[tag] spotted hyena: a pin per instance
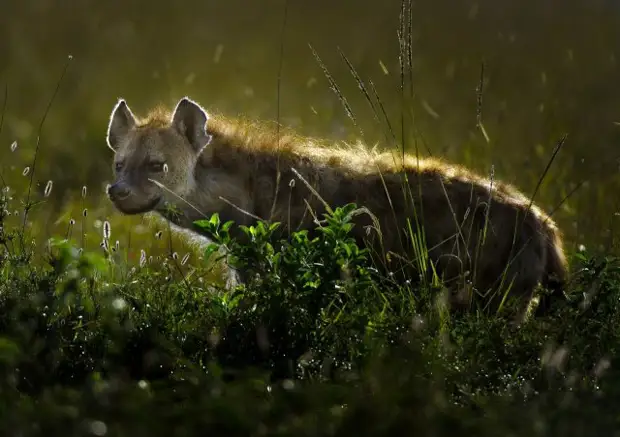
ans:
(479, 234)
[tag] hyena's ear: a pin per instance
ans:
(190, 119)
(121, 122)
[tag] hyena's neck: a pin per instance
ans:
(224, 177)
(237, 173)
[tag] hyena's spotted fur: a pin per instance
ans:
(209, 163)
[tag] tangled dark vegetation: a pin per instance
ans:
(316, 343)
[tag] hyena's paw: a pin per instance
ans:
(233, 278)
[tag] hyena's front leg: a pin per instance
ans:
(235, 275)
(202, 240)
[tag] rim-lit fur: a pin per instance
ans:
(230, 166)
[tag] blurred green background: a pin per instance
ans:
(551, 68)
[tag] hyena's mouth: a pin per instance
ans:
(126, 206)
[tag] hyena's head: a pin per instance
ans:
(154, 158)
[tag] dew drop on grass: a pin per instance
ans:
(98, 428)
(48, 188)
(383, 68)
(219, 49)
(119, 304)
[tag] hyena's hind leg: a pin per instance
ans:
(449, 261)
(516, 280)
(487, 275)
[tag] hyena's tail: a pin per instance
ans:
(556, 270)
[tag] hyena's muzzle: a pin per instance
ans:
(131, 200)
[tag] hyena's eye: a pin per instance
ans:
(157, 167)
(118, 166)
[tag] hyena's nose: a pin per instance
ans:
(119, 191)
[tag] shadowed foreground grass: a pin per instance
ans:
(315, 344)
